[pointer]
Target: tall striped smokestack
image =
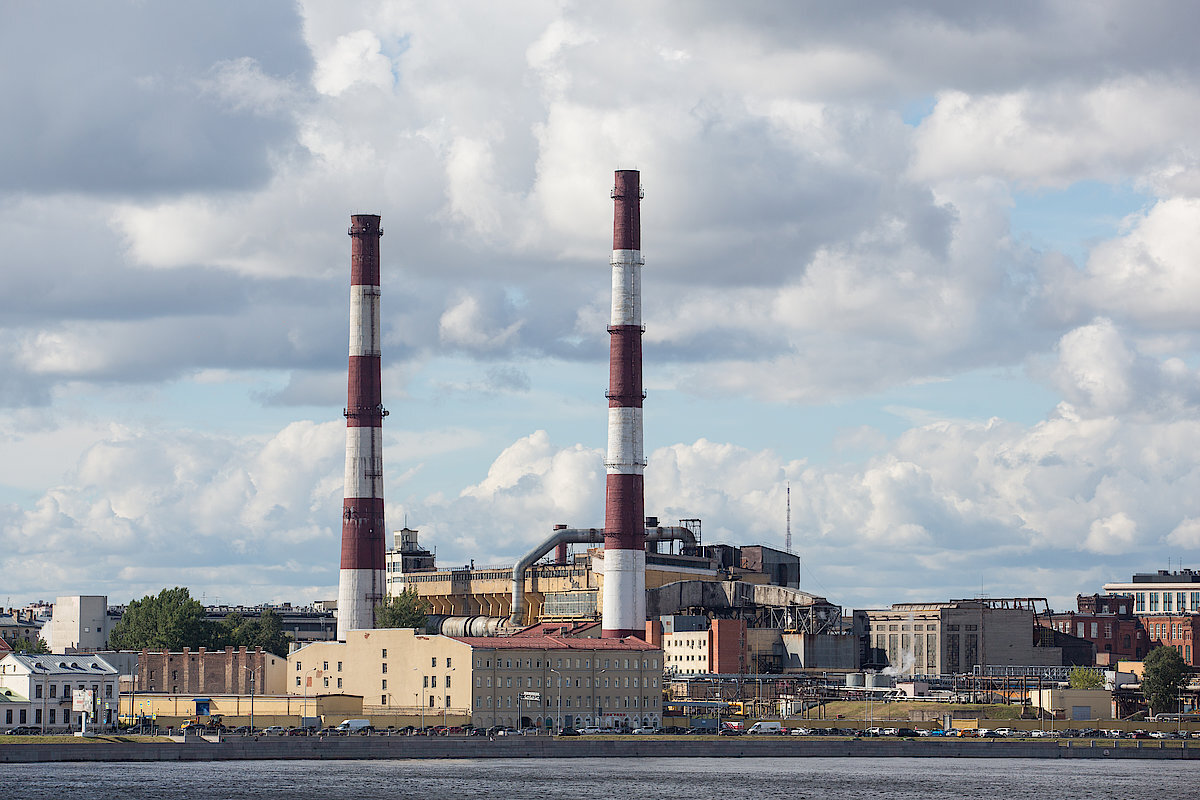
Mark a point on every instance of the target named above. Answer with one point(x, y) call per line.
point(624, 611)
point(361, 581)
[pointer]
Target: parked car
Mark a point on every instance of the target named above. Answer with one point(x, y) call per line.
point(274, 730)
point(589, 730)
point(22, 730)
point(645, 730)
point(800, 732)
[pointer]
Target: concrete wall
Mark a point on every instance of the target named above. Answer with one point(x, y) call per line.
point(79, 624)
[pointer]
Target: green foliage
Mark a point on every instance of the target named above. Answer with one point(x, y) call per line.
point(405, 610)
point(23, 645)
point(170, 621)
point(1083, 678)
point(1164, 673)
point(266, 632)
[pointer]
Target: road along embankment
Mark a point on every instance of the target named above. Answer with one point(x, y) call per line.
point(379, 747)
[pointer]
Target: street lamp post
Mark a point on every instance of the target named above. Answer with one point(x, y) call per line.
point(417, 669)
point(560, 680)
point(252, 671)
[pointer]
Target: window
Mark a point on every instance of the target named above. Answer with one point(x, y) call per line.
point(297, 669)
point(383, 700)
point(1179, 601)
point(107, 689)
point(54, 690)
point(1139, 601)
point(1166, 602)
point(1153, 602)
point(433, 661)
point(431, 699)
point(339, 683)
point(325, 666)
point(339, 666)
point(424, 681)
point(326, 683)
point(1108, 630)
point(448, 681)
point(1079, 629)
point(447, 662)
point(384, 665)
point(383, 653)
point(37, 691)
point(433, 681)
point(384, 686)
point(1095, 631)
point(297, 680)
point(447, 701)
point(53, 714)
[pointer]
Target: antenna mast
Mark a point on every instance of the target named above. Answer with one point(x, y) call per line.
point(787, 542)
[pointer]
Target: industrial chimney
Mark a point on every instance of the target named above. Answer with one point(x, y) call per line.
point(361, 580)
point(624, 610)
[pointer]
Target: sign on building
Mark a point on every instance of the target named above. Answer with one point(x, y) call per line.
point(533, 697)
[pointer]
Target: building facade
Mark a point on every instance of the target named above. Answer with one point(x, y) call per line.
point(80, 624)
point(953, 637)
point(202, 671)
point(1178, 631)
point(1162, 592)
point(1108, 622)
point(49, 682)
point(535, 681)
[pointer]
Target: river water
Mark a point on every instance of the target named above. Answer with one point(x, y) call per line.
point(624, 779)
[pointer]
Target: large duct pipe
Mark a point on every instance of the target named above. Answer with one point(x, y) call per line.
point(361, 580)
point(624, 606)
point(559, 536)
point(563, 536)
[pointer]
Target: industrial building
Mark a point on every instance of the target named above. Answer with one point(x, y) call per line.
point(959, 636)
point(1108, 622)
point(529, 681)
point(80, 624)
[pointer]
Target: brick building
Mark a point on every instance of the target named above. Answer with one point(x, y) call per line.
point(205, 671)
point(1108, 621)
point(694, 645)
point(1178, 631)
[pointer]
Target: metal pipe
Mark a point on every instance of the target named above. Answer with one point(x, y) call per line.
point(576, 536)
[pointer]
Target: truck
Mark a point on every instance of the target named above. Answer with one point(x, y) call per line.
point(354, 725)
point(766, 727)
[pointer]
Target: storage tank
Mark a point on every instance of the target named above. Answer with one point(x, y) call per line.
point(880, 681)
point(855, 680)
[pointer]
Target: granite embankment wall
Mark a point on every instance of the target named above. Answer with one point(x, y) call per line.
point(533, 747)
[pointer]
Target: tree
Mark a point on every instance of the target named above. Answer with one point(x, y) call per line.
point(1164, 673)
point(170, 621)
point(1084, 678)
point(404, 610)
point(265, 631)
point(23, 645)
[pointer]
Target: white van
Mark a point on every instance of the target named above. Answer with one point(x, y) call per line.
point(766, 727)
point(354, 725)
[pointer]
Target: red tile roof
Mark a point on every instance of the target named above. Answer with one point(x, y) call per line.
point(539, 642)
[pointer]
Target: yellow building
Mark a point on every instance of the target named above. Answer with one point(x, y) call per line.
point(171, 710)
point(524, 681)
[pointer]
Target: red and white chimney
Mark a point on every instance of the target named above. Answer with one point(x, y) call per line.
point(361, 581)
point(624, 608)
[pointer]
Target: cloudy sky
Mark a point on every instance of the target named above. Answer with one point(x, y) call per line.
point(932, 264)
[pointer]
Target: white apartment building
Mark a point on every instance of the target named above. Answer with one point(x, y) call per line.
point(48, 683)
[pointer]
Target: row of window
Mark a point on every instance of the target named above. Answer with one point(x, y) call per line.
point(66, 690)
point(585, 682)
point(52, 719)
point(584, 663)
point(550, 701)
point(1163, 630)
point(1166, 602)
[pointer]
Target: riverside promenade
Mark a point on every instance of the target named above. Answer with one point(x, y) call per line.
point(393, 747)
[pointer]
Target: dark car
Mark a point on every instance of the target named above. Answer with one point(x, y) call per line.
point(729, 732)
point(22, 730)
point(299, 732)
point(568, 732)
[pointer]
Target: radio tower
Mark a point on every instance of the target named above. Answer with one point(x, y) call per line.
point(624, 607)
point(361, 580)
